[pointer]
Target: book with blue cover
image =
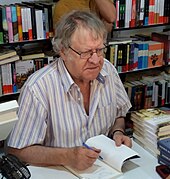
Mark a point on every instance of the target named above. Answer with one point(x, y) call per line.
point(164, 145)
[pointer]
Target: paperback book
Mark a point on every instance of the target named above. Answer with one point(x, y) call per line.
point(113, 159)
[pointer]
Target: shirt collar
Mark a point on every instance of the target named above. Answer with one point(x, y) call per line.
point(67, 80)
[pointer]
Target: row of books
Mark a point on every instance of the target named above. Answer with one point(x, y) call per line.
point(13, 75)
point(136, 55)
point(150, 126)
point(150, 91)
point(25, 21)
point(140, 53)
point(134, 13)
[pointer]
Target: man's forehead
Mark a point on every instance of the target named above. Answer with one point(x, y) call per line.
point(86, 36)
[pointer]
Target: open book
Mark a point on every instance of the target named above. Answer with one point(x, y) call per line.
point(113, 159)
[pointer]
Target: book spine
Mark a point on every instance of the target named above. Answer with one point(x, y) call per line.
point(39, 24)
point(151, 11)
point(163, 148)
point(117, 13)
point(9, 23)
point(5, 25)
point(133, 14)
point(29, 23)
point(33, 21)
point(1, 28)
point(14, 22)
point(20, 36)
point(146, 13)
point(163, 161)
point(122, 13)
point(23, 23)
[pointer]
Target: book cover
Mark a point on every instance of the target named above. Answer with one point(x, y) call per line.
point(163, 37)
point(113, 158)
point(164, 145)
point(163, 161)
point(155, 54)
point(23, 70)
point(8, 117)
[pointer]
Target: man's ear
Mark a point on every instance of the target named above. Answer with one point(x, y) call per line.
point(62, 53)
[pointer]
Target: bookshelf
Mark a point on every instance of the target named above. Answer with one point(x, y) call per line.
point(136, 59)
point(140, 90)
point(30, 48)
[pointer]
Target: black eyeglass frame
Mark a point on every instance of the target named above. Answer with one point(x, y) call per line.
point(91, 52)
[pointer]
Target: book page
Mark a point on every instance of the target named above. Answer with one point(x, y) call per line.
point(111, 154)
point(99, 170)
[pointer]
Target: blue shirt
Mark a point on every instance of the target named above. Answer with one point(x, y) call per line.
point(52, 113)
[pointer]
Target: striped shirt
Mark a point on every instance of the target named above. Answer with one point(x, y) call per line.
point(51, 111)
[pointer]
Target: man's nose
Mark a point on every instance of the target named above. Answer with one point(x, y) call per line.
point(94, 58)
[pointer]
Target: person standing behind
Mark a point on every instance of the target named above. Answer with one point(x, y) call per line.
point(78, 96)
point(104, 9)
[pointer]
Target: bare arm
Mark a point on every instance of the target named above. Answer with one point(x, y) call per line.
point(107, 10)
point(77, 157)
point(118, 136)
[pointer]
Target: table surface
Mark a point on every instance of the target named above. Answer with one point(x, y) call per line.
point(141, 168)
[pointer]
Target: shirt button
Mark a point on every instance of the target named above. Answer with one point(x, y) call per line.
point(79, 99)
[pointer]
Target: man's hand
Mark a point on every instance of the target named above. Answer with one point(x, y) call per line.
point(82, 158)
point(120, 138)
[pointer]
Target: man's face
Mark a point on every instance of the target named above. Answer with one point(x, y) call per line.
point(83, 69)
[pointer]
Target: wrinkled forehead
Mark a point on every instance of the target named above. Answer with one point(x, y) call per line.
point(87, 33)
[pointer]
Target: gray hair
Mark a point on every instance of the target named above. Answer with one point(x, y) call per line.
point(67, 25)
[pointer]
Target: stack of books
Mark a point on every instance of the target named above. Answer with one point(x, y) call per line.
point(8, 117)
point(150, 126)
point(164, 148)
point(8, 56)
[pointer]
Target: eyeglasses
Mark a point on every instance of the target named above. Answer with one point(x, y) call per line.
point(88, 54)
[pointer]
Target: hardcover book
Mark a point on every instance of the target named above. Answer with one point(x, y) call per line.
point(164, 145)
point(113, 158)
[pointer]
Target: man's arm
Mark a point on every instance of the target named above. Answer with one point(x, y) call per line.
point(77, 157)
point(107, 10)
point(117, 133)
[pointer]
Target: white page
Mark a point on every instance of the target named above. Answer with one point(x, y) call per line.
point(113, 155)
point(99, 170)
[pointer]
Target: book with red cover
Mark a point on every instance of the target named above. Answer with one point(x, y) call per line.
point(155, 54)
point(151, 12)
point(133, 14)
point(165, 38)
